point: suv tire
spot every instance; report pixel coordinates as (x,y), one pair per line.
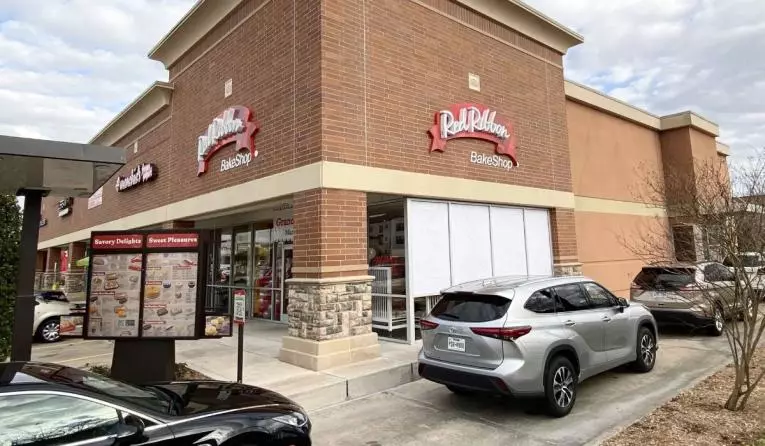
(560,386)
(646,350)
(717,328)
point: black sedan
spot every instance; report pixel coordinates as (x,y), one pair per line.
(47,404)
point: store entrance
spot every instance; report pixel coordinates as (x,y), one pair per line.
(274,267)
(255,261)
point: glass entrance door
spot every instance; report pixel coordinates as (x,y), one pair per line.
(286,274)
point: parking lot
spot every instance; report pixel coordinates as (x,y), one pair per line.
(424,413)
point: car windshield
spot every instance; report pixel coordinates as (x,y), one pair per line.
(144,397)
(665,278)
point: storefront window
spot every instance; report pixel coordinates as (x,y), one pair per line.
(219,276)
(387,263)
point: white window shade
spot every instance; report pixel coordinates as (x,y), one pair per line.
(470,237)
(427,256)
(538,243)
(508,240)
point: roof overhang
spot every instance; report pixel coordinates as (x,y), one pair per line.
(56,168)
(199,21)
(723,149)
(151,101)
(526,20)
(600,101)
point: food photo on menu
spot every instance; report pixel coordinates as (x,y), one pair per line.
(114,299)
(170,295)
(217,326)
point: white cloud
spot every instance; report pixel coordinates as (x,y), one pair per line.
(673,55)
(68,66)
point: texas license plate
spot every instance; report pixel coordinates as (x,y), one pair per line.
(455,344)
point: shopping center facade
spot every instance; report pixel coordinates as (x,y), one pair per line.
(354,157)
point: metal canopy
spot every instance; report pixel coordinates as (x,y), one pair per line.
(54,167)
(34,168)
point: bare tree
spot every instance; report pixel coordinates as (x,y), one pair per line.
(713,215)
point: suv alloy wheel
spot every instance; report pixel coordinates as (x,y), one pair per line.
(560,386)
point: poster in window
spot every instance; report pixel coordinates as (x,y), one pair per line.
(170,295)
(114,295)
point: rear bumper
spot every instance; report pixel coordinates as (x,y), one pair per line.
(680,317)
(512,377)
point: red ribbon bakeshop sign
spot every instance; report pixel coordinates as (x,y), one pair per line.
(190,240)
(477,122)
(235,125)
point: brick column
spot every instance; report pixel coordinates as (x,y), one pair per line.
(75,275)
(330,294)
(563,234)
(51,267)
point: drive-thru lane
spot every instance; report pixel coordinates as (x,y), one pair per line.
(424,413)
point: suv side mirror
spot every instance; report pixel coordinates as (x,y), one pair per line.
(623,303)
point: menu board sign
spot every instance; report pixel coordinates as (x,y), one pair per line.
(149,285)
(115,295)
(170,295)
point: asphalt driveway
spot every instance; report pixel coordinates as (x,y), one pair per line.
(424,413)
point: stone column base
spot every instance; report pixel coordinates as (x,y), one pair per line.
(568,269)
(320,355)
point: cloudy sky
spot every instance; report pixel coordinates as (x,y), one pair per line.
(68,66)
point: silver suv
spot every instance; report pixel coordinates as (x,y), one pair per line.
(533,337)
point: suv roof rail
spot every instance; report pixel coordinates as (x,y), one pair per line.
(501,281)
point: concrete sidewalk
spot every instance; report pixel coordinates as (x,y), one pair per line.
(216,358)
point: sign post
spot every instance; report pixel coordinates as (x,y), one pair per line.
(239,317)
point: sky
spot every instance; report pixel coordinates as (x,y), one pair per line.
(68,66)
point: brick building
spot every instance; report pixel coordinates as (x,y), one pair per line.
(400,146)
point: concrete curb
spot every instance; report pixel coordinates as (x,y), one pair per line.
(346,389)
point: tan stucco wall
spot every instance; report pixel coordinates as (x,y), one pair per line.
(613,247)
(610,157)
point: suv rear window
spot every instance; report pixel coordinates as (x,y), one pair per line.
(658,278)
(468,307)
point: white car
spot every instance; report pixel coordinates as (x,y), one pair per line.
(49,307)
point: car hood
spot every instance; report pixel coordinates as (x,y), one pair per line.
(197,397)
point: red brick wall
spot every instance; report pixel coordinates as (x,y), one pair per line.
(563,228)
(350,81)
(382,87)
(330,231)
(279,81)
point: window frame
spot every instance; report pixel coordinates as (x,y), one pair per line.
(557,308)
(150,420)
(119,411)
(614,302)
(581,289)
(730,275)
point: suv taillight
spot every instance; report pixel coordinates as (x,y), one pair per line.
(505,334)
(761,271)
(427,325)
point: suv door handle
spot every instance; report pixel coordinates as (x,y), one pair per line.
(606,319)
(569,323)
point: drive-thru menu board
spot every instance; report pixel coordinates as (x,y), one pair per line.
(147,284)
(170,295)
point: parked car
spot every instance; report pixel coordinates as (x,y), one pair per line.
(751,264)
(533,338)
(699,295)
(50,305)
(53,404)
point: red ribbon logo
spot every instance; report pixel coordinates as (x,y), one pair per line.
(234,125)
(473,121)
